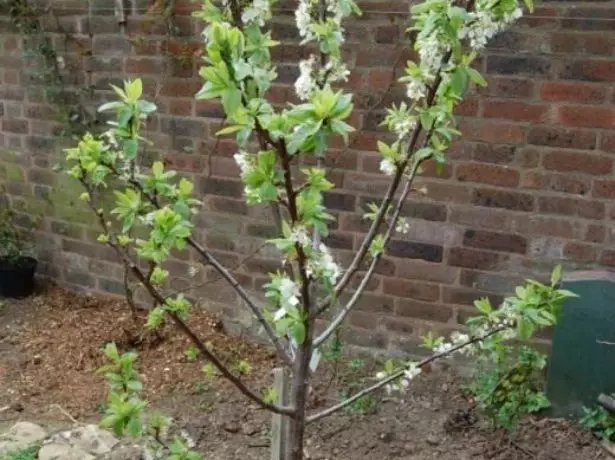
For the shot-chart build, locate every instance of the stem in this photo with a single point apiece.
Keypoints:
(380, 216)
(397, 375)
(339, 319)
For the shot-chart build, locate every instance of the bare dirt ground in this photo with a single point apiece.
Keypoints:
(50, 347)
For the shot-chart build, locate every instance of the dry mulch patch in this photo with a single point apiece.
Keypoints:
(50, 348)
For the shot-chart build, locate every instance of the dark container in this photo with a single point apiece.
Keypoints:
(17, 277)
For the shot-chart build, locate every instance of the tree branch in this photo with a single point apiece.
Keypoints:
(380, 216)
(372, 266)
(179, 323)
(397, 375)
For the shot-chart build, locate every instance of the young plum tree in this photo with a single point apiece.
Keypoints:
(154, 209)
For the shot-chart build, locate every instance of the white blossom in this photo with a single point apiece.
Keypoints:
(458, 338)
(388, 166)
(402, 226)
(381, 375)
(430, 55)
(484, 25)
(403, 127)
(303, 19)
(328, 265)
(412, 371)
(256, 13)
(444, 347)
(299, 235)
(416, 89)
(243, 161)
(305, 84)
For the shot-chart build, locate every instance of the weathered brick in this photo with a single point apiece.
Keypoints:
(415, 250)
(587, 117)
(111, 45)
(504, 242)
(547, 226)
(475, 259)
(559, 160)
(595, 233)
(493, 198)
(581, 43)
(509, 87)
(604, 189)
(492, 131)
(15, 125)
(607, 142)
(562, 91)
(589, 70)
(183, 127)
(481, 218)
(492, 282)
(580, 251)
(562, 137)
(487, 174)
(419, 270)
(517, 65)
(515, 110)
(608, 257)
(422, 310)
(410, 289)
(589, 18)
(556, 182)
(571, 207)
(465, 296)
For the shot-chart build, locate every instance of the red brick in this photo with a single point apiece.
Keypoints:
(487, 174)
(481, 217)
(465, 296)
(494, 198)
(562, 137)
(516, 111)
(571, 207)
(509, 87)
(562, 91)
(608, 257)
(145, 65)
(419, 270)
(581, 252)
(582, 43)
(427, 311)
(504, 242)
(180, 87)
(15, 125)
(577, 162)
(595, 233)
(498, 132)
(587, 117)
(604, 189)
(546, 226)
(410, 289)
(607, 142)
(555, 182)
(475, 259)
(589, 70)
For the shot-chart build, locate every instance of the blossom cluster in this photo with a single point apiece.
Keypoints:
(411, 370)
(312, 75)
(484, 25)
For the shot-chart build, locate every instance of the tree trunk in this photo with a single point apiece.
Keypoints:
(299, 393)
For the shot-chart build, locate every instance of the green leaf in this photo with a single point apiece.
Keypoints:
(110, 106)
(423, 154)
(230, 129)
(231, 100)
(298, 331)
(130, 149)
(459, 81)
(556, 275)
(185, 187)
(476, 77)
(157, 168)
(134, 385)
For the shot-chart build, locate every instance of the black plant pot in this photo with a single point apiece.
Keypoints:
(17, 277)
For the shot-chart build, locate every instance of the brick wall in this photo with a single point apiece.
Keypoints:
(531, 184)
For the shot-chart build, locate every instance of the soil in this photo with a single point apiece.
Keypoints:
(50, 348)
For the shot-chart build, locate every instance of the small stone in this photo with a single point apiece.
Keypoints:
(232, 427)
(386, 437)
(432, 440)
(17, 407)
(20, 436)
(62, 451)
(36, 359)
(249, 429)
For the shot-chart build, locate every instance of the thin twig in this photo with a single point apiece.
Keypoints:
(397, 375)
(70, 417)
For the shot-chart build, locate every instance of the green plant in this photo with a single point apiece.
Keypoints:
(124, 412)
(512, 388)
(14, 242)
(243, 367)
(600, 421)
(30, 453)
